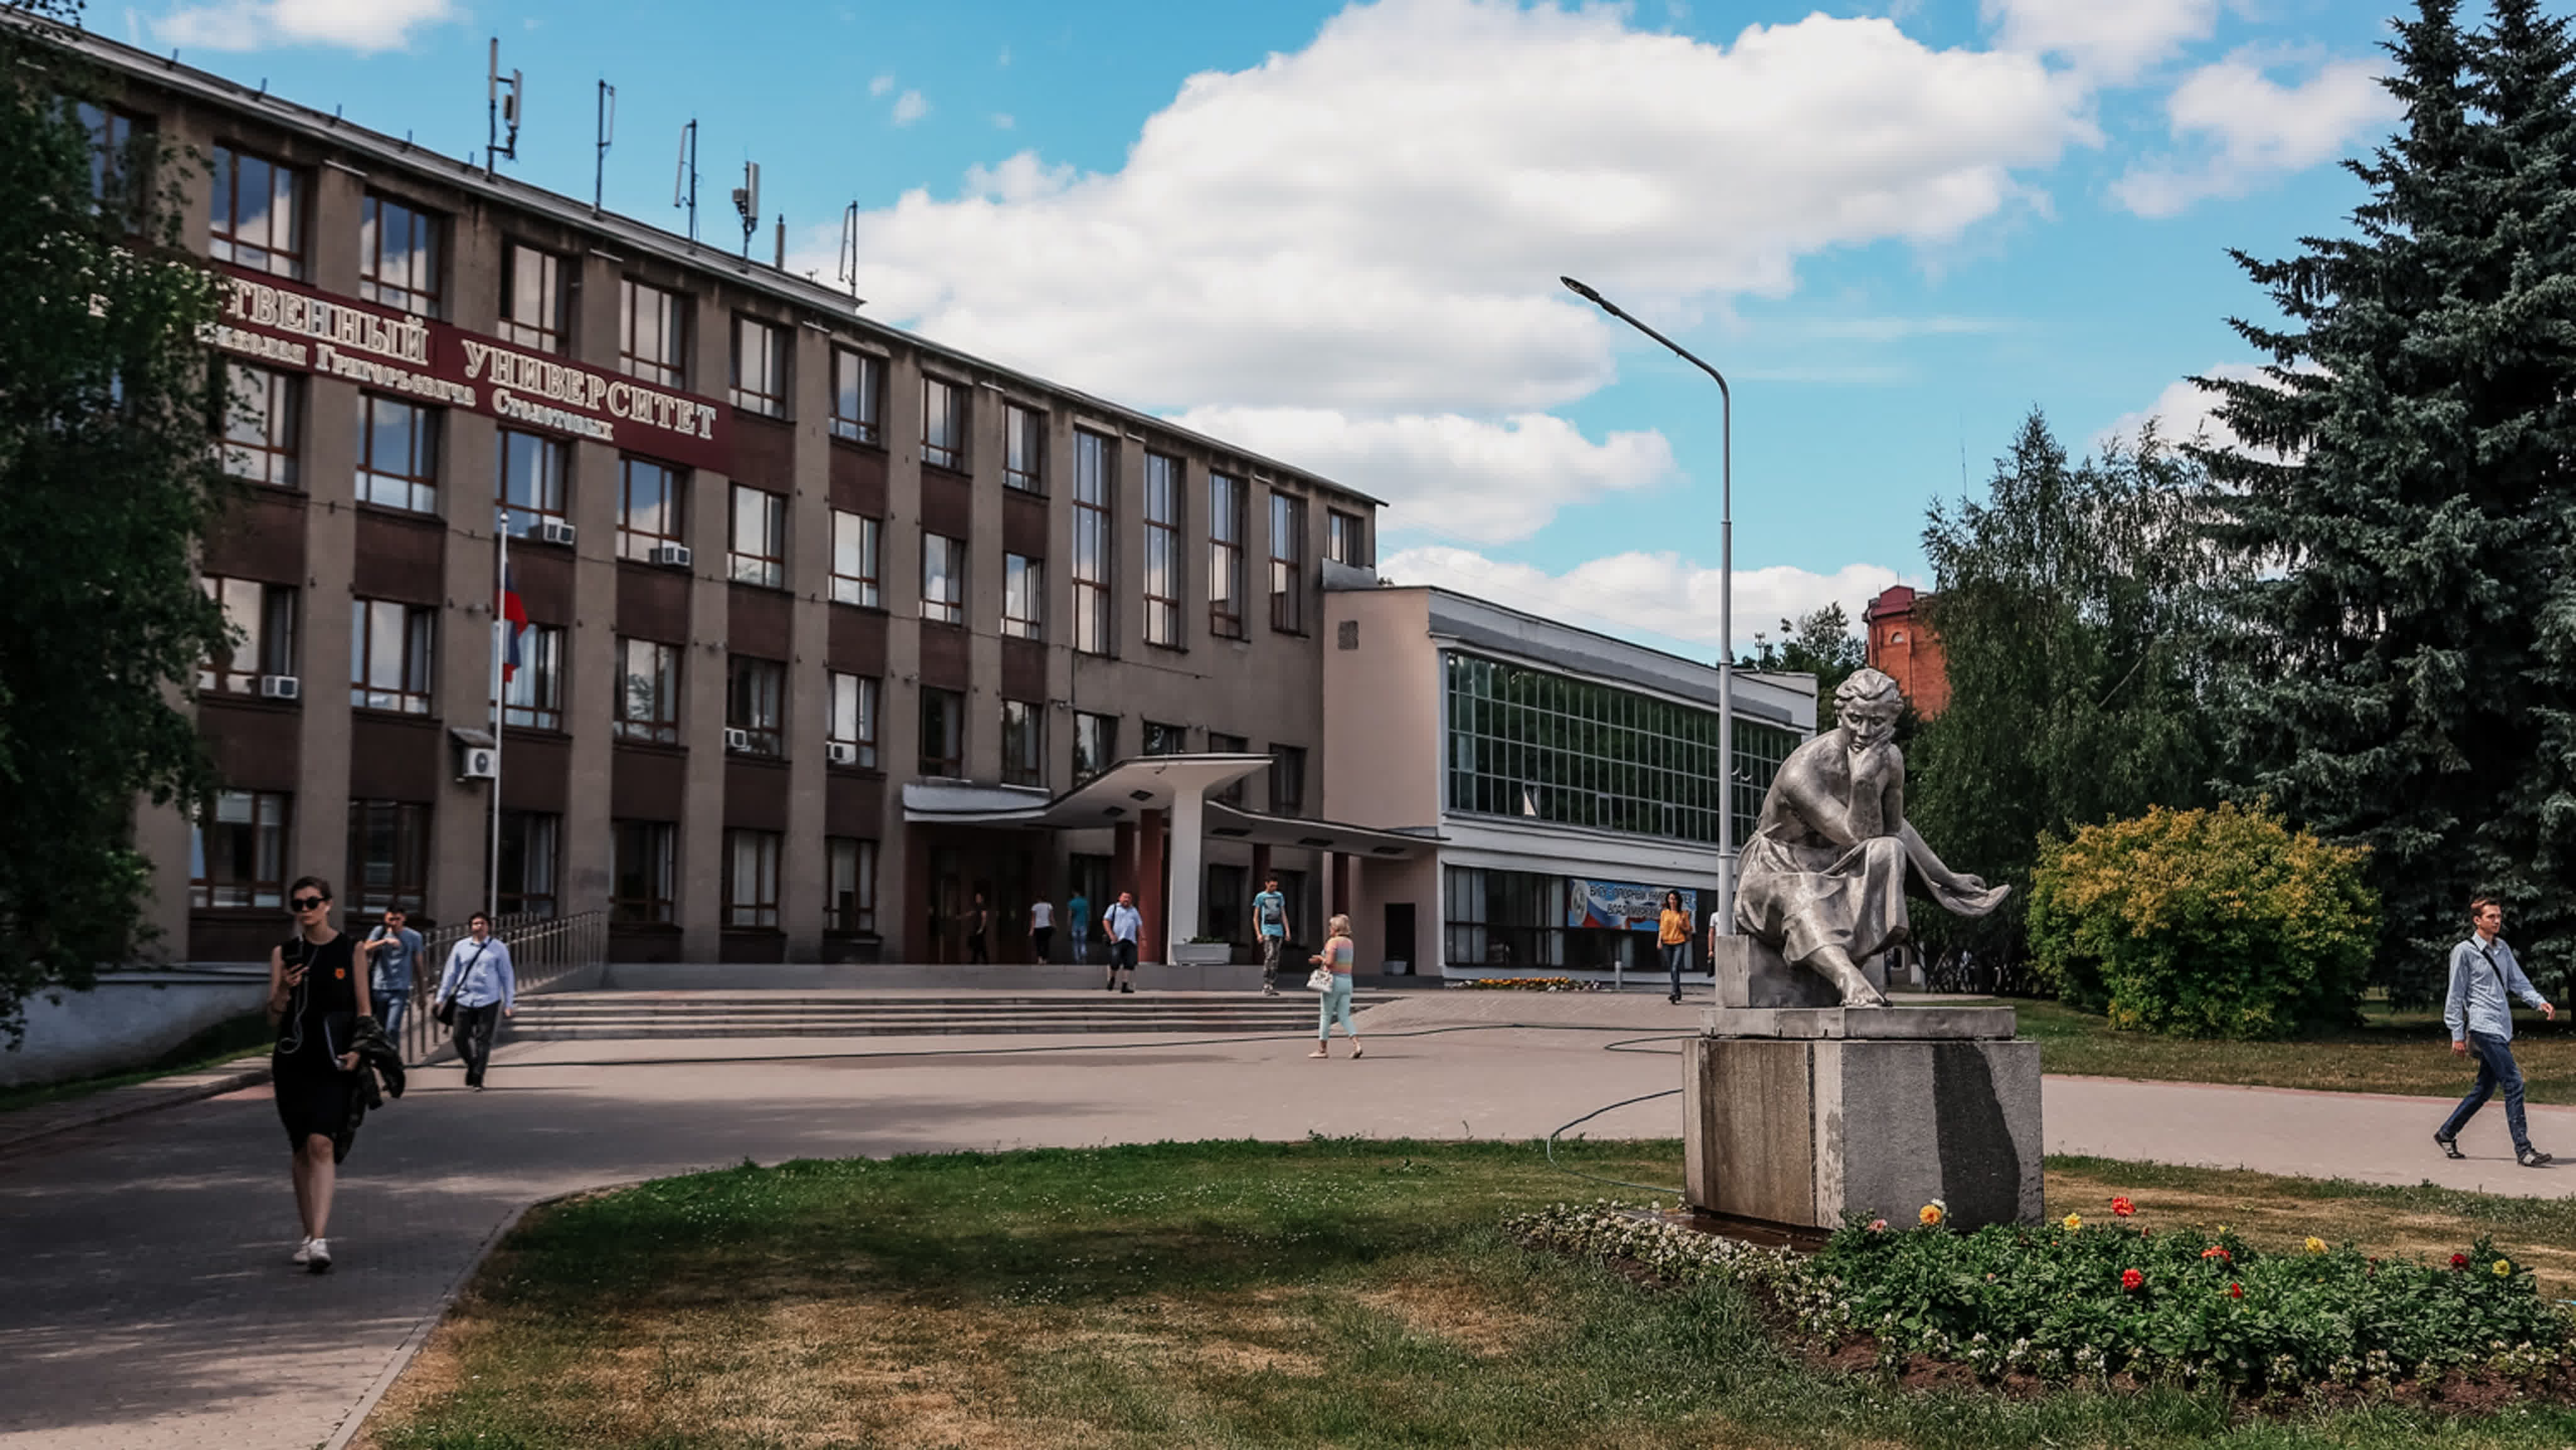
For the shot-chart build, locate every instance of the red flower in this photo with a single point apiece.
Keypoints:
(2215, 1252)
(2459, 1261)
(2131, 1278)
(2235, 1291)
(2122, 1208)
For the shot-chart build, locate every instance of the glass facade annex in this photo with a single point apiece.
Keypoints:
(1544, 746)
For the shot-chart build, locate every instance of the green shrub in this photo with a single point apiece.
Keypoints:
(2216, 923)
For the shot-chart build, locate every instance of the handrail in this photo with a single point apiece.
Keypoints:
(543, 951)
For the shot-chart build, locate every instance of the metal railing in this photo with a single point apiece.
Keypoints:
(543, 951)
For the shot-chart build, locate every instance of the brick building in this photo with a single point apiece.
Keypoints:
(1903, 646)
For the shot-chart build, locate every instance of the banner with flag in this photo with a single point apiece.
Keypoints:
(515, 614)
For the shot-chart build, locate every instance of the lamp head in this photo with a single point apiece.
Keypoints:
(1582, 291)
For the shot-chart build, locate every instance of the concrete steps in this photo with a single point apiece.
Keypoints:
(579, 1016)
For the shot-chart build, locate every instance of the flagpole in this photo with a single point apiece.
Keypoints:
(500, 653)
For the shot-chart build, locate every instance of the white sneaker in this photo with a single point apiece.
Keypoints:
(304, 1250)
(319, 1260)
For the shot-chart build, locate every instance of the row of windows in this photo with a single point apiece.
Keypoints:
(242, 856)
(1522, 919)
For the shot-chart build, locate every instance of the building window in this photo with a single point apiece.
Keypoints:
(1024, 448)
(389, 655)
(759, 367)
(398, 256)
(1023, 743)
(1161, 739)
(1093, 462)
(751, 880)
(943, 423)
(531, 484)
(527, 869)
(756, 702)
(1224, 910)
(536, 298)
(1095, 744)
(1346, 539)
(258, 219)
(649, 514)
(1287, 564)
(388, 858)
(852, 700)
(260, 424)
(855, 548)
(237, 854)
(114, 155)
(532, 696)
(1287, 780)
(1225, 556)
(849, 886)
(759, 537)
(1023, 597)
(648, 691)
(1162, 549)
(652, 334)
(263, 615)
(943, 579)
(943, 733)
(645, 884)
(397, 454)
(1229, 745)
(858, 395)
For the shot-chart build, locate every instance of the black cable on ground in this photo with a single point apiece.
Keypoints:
(1595, 1177)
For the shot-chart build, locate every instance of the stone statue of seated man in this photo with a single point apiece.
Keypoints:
(1823, 879)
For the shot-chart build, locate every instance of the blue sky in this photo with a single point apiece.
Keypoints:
(1332, 231)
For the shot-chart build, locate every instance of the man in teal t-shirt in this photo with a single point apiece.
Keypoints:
(1270, 927)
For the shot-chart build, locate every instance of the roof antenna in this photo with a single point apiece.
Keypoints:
(607, 136)
(849, 272)
(781, 263)
(746, 204)
(685, 185)
(501, 105)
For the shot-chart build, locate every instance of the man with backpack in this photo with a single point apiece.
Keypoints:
(477, 989)
(1270, 928)
(2479, 1011)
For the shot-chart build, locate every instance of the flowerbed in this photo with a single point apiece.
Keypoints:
(1530, 984)
(2080, 1300)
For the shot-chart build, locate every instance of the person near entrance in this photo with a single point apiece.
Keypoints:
(392, 949)
(979, 922)
(1673, 934)
(1123, 925)
(2485, 979)
(484, 989)
(1077, 925)
(1270, 928)
(317, 996)
(1042, 931)
(1336, 958)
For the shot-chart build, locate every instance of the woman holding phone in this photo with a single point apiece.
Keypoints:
(316, 994)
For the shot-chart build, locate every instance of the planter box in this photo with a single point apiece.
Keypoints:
(1202, 954)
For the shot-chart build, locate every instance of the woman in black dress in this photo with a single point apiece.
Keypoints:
(316, 994)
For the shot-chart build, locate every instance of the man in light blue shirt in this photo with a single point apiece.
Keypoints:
(1270, 924)
(392, 949)
(1123, 925)
(2479, 1011)
(485, 989)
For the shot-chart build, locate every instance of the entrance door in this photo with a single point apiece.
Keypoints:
(1399, 938)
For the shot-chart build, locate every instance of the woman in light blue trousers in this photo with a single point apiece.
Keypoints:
(1336, 958)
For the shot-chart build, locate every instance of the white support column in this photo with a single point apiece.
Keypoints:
(1185, 851)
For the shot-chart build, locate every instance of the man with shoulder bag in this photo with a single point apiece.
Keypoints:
(2485, 979)
(477, 989)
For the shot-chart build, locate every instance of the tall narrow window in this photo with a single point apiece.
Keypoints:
(263, 615)
(1346, 539)
(1225, 556)
(389, 655)
(1287, 564)
(943, 733)
(759, 367)
(1162, 549)
(644, 882)
(398, 255)
(397, 454)
(1093, 462)
(648, 508)
(756, 704)
(532, 470)
(260, 424)
(853, 717)
(648, 691)
(1095, 744)
(759, 537)
(849, 886)
(1024, 448)
(388, 857)
(528, 853)
(119, 163)
(1288, 780)
(943, 423)
(258, 219)
(652, 334)
(1023, 743)
(1023, 597)
(238, 856)
(943, 579)
(855, 549)
(751, 880)
(858, 395)
(536, 303)
(533, 695)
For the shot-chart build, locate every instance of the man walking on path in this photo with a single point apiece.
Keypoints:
(2484, 981)
(1042, 931)
(392, 949)
(1077, 925)
(1122, 924)
(1270, 928)
(479, 980)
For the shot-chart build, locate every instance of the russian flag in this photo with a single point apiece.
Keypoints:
(516, 614)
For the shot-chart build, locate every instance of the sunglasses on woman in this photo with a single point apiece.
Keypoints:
(307, 903)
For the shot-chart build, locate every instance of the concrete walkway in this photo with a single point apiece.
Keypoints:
(145, 1297)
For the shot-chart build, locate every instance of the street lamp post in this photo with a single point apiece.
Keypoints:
(1725, 598)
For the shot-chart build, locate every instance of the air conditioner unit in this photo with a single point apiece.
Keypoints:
(675, 555)
(279, 687)
(841, 752)
(478, 762)
(737, 740)
(554, 531)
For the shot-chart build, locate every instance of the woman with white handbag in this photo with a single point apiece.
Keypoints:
(1332, 977)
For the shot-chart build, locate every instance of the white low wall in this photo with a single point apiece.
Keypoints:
(128, 1019)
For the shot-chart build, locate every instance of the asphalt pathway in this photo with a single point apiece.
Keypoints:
(146, 1299)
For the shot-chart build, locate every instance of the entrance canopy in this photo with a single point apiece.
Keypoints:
(1126, 790)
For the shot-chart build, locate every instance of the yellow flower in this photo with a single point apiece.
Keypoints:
(2074, 1221)
(2316, 1245)
(2503, 1267)
(1931, 1214)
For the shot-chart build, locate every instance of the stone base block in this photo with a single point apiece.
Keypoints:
(1802, 1132)
(1896, 1023)
(1752, 973)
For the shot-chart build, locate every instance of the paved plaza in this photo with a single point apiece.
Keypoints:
(146, 1300)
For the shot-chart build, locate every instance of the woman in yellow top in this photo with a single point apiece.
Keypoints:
(1674, 936)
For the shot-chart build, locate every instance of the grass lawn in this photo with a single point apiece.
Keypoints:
(234, 1037)
(2394, 1052)
(1236, 1294)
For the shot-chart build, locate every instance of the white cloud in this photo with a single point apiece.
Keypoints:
(1452, 476)
(1659, 594)
(2185, 412)
(2246, 127)
(880, 85)
(2111, 41)
(361, 25)
(1002, 121)
(910, 107)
